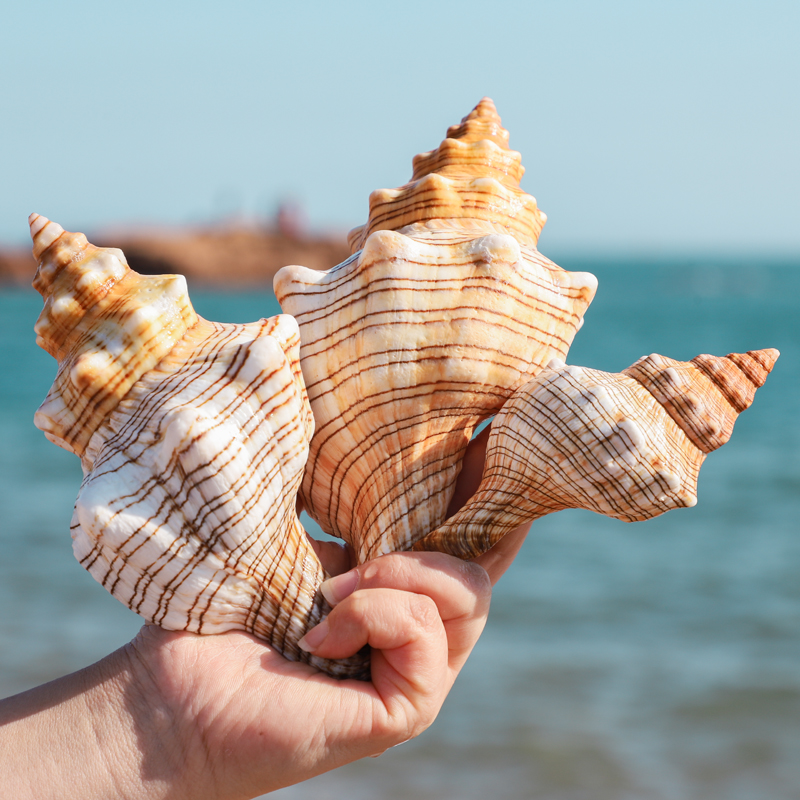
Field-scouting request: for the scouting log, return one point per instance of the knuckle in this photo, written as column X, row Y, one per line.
column 357, row 606
column 405, row 723
column 420, row 721
column 385, row 570
column 476, row 578
column 423, row 611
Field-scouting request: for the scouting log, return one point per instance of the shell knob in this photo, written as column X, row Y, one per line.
column 472, row 176
column 705, row 395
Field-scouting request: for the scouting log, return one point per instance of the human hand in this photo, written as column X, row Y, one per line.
column 179, row 715
column 246, row 720
column 233, row 718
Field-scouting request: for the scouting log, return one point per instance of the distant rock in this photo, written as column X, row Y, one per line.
column 224, row 258
column 16, row 266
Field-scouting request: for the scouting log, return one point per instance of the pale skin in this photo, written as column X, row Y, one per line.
column 176, row 715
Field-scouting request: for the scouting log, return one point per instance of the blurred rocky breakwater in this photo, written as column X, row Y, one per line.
column 234, row 257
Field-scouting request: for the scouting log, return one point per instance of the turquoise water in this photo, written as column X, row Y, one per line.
column 621, row 662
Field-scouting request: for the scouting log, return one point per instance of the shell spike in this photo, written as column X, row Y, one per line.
column 766, row 357
column 483, row 122
column 754, row 364
column 55, row 251
column 43, row 233
column 485, row 108
column 105, row 324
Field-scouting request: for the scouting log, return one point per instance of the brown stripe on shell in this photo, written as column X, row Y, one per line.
column 574, row 438
column 416, row 324
column 233, row 508
column 483, row 122
column 471, row 175
column 456, row 199
column 756, row 364
column 96, row 322
column 704, row 396
column 193, row 439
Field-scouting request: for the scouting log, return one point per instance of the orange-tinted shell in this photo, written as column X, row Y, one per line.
column 705, row 395
column 104, row 323
column 193, row 436
column 446, row 308
column 472, row 175
column 405, row 348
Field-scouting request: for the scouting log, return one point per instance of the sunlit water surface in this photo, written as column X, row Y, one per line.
column 657, row 660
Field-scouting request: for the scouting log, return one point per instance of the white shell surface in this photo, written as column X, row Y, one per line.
column 187, row 513
column 405, row 347
column 575, row 438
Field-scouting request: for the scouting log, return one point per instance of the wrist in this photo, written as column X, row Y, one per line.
column 92, row 734
column 168, row 756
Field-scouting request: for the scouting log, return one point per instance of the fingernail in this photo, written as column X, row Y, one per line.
column 314, row 638
column 334, row 590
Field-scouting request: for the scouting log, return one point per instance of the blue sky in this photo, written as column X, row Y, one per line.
column 645, row 127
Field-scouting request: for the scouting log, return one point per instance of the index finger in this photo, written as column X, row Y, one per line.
column 460, row 590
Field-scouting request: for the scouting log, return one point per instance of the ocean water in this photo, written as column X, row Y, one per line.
column 657, row 660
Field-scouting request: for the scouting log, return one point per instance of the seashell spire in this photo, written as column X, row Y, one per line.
column 472, row 175
column 628, row 445
column 705, row 395
column 104, row 323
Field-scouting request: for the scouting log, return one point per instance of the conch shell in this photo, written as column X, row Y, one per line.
column 193, row 437
column 424, row 333
column 627, row 445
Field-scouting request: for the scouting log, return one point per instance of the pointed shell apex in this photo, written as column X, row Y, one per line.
column 104, row 323
column 483, row 122
column 574, row 437
column 471, row 176
column 43, row 233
